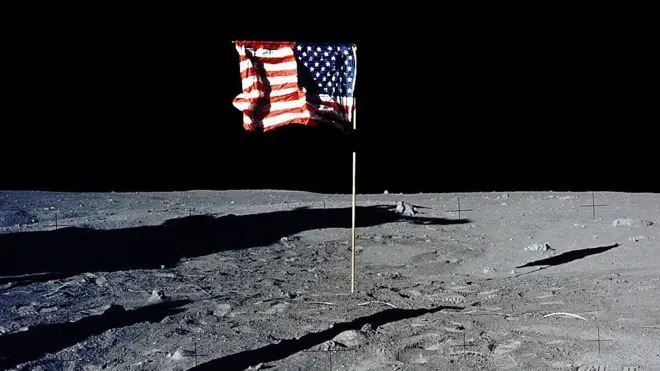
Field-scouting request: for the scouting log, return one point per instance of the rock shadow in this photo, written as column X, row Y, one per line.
column 569, row 256
column 46, row 255
column 36, row 342
column 287, row 348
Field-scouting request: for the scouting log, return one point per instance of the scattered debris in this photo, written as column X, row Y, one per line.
column 646, row 223
column 405, row 208
column 638, row 238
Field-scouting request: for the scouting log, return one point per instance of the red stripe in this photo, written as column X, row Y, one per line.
column 253, row 72
column 266, row 44
column 260, row 86
column 269, row 60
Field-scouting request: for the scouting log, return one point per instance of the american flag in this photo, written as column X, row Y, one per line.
column 296, row 83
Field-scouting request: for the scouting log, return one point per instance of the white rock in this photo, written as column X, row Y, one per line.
column 350, row 338
column 156, row 296
column 177, row 356
column 638, row 238
column 405, row 208
column 222, row 310
column 538, row 246
column 622, row 222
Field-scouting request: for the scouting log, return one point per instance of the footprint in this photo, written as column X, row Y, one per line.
column 552, row 303
column 461, row 289
column 454, row 298
column 489, row 292
column 505, row 362
column 507, row 348
column 592, row 368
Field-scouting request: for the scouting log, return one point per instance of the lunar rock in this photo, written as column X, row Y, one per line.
column 622, row 222
column 538, row 246
column 405, row 208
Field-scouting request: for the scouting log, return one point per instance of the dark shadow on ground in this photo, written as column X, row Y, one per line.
column 36, row 342
column 286, row 348
column 569, row 256
column 70, row 251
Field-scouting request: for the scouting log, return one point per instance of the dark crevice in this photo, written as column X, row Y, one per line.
column 37, row 341
column 286, row 348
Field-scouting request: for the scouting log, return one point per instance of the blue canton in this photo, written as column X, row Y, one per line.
column 326, row 69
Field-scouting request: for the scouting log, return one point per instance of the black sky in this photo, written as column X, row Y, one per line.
column 115, row 104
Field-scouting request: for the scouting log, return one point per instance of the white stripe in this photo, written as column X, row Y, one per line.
column 285, row 66
column 266, row 53
column 274, row 106
column 275, row 120
column 253, row 94
column 275, row 80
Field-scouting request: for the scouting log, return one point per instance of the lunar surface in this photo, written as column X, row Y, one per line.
column 261, row 280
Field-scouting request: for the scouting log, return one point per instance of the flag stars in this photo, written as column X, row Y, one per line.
column 299, row 47
column 309, row 48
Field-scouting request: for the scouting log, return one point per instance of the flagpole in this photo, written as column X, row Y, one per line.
column 353, row 210
column 353, row 198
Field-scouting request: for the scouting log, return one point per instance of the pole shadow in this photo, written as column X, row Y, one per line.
column 47, row 255
column 287, row 348
column 36, row 342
